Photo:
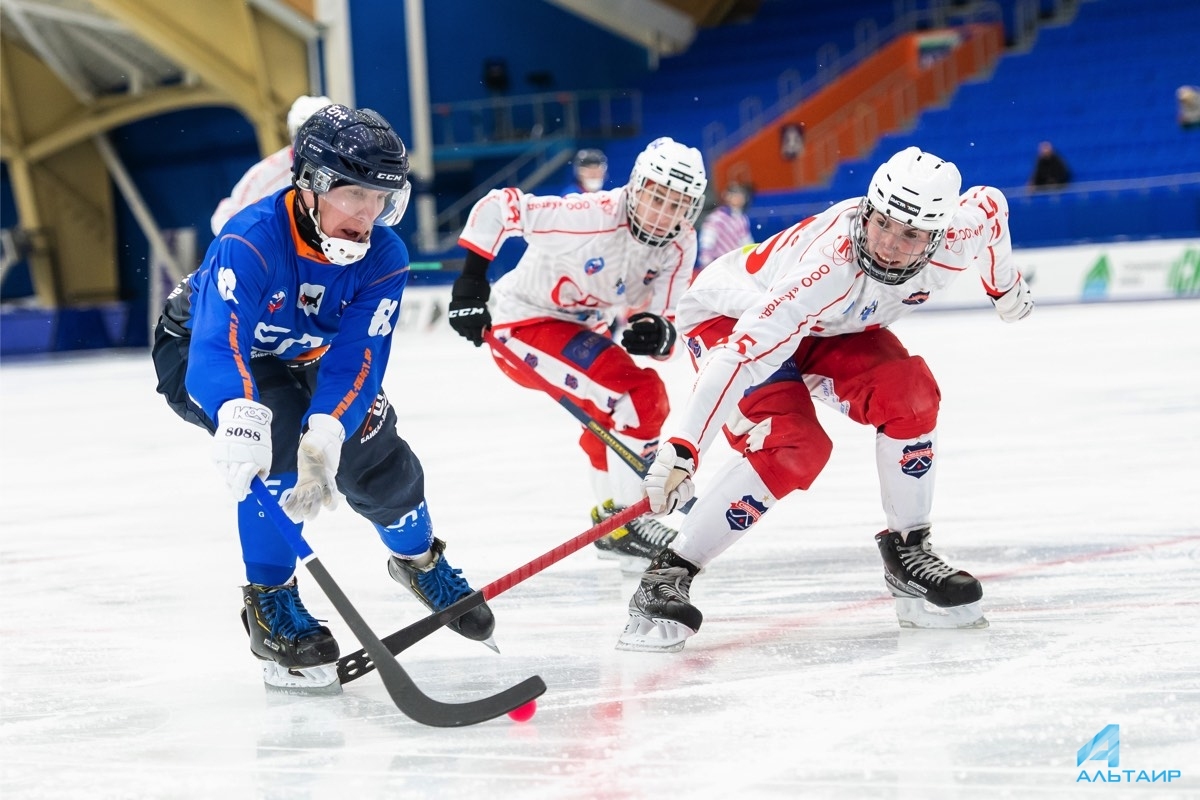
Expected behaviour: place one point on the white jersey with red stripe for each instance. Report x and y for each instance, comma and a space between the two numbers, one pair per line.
804, 281
264, 178
582, 264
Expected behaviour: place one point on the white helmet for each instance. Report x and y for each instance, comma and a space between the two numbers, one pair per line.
916, 189
665, 191
304, 107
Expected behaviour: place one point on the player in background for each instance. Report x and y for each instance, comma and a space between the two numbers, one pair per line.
590, 172
597, 264
278, 345
272, 173
805, 316
726, 227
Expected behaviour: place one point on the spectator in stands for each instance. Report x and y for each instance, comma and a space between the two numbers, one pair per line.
1050, 170
1189, 106
272, 173
591, 169
726, 227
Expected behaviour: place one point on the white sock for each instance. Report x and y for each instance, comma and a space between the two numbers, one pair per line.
907, 468
727, 505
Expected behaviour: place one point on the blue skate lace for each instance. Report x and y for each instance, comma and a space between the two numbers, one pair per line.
443, 584
286, 613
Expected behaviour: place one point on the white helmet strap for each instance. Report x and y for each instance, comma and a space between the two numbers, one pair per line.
341, 252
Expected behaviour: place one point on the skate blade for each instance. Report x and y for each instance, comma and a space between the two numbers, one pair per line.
629, 565
491, 642
322, 680
646, 635
913, 612
633, 565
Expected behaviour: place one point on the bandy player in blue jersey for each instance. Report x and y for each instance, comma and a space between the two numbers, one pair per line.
277, 345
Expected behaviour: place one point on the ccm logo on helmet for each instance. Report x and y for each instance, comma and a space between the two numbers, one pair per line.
388, 176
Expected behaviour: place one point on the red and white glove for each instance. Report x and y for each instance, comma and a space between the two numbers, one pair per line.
668, 481
316, 469
1016, 303
242, 444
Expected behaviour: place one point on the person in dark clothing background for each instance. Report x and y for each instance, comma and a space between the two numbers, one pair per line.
1050, 170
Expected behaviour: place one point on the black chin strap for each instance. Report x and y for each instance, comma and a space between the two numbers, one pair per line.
305, 224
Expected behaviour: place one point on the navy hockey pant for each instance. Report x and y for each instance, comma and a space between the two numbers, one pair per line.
379, 475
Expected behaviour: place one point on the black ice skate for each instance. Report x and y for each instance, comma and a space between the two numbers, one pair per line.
297, 652
437, 585
661, 615
929, 592
635, 544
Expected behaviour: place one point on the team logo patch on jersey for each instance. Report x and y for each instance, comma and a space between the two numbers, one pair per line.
651, 274
744, 513
276, 302
571, 382
584, 348
531, 360
593, 266
868, 311
693, 346
917, 459
915, 299
620, 287
568, 295
227, 284
310, 298
840, 252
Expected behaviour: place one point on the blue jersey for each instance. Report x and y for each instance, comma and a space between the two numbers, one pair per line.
263, 291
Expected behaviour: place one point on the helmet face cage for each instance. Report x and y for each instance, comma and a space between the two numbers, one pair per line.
338, 145
915, 189
892, 276
665, 191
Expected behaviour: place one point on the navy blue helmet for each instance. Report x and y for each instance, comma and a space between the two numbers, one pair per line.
340, 145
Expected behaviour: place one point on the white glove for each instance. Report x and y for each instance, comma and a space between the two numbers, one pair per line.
316, 468
242, 444
668, 482
1016, 303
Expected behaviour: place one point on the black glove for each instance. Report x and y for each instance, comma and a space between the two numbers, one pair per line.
648, 335
468, 308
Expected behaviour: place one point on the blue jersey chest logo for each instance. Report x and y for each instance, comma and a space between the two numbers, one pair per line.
310, 298
593, 266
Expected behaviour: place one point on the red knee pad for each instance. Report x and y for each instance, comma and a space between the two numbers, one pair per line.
648, 394
795, 450
597, 451
787, 467
902, 398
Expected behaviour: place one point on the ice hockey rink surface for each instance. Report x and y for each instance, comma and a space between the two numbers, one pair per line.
1068, 483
